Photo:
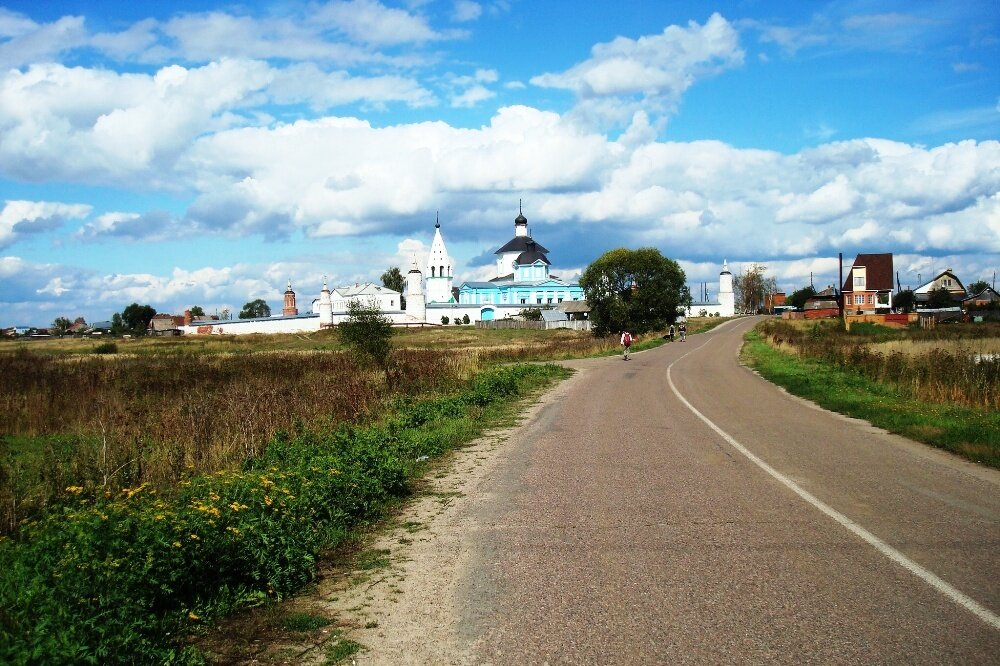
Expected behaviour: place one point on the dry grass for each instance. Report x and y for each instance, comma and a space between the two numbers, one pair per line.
949, 364
972, 347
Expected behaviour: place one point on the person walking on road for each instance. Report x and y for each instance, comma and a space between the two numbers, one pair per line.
670, 333
682, 329
626, 343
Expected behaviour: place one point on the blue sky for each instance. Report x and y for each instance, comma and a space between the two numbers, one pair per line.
196, 153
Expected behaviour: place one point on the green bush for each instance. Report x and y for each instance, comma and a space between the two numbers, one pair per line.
106, 348
122, 579
368, 331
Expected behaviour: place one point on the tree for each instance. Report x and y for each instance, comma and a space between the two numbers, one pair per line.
117, 326
393, 279
638, 290
532, 314
904, 300
136, 318
752, 290
368, 331
799, 297
445, 319
940, 298
60, 326
978, 287
197, 311
255, 309
465, 319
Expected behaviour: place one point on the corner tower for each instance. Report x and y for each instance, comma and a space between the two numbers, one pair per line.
290, 309
416, 307
439, 272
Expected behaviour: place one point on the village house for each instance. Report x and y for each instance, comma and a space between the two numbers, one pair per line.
869, 283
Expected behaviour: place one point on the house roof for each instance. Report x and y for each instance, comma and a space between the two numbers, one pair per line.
532, 256
366, 289
928, 286
520, 244
878, 269
553, 315
574, 307
988, 294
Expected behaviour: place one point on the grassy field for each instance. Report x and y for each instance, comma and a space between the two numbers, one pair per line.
928, 386
160, 410
124, 578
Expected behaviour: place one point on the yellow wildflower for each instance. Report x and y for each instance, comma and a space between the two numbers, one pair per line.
177, 544
76, 490
192, 616
267, 500
195, 537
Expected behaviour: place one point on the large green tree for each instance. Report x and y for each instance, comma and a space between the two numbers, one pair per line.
255, 309
393, 279
197, 311
136, 318
799, 297
634, 290
368, 331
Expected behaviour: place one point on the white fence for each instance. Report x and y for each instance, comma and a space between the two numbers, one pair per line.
582, 325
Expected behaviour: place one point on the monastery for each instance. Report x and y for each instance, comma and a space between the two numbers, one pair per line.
523, 280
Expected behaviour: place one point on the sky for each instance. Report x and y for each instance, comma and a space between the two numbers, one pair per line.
205, 153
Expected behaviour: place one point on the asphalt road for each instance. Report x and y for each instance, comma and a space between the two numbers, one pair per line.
676, 508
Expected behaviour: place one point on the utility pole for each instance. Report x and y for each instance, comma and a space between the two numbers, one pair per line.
840, 300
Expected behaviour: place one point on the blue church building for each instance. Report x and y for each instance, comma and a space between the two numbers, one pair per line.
523, 279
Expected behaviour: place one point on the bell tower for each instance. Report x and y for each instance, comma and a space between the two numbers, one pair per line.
290, 309
439, 271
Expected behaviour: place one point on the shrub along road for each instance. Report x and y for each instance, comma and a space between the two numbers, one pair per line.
678, 508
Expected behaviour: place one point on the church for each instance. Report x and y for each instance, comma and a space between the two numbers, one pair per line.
523, 280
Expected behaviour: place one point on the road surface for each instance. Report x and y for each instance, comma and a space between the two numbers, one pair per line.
676, 508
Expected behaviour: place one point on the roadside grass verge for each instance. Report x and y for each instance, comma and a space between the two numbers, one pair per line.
125, 579
969, 432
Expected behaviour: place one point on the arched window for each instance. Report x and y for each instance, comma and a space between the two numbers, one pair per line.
442, 271
432, 271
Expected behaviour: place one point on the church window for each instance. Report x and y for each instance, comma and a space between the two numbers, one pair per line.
442, 272
523, 300
538, 300
432, 272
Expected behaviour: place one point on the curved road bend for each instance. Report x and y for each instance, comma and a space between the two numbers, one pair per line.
622, 528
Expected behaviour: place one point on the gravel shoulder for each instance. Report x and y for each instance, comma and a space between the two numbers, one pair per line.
424, 600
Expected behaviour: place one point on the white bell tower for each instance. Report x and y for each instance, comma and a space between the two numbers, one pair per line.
727, 299
439, 270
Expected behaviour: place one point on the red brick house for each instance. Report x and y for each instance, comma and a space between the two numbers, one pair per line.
869, 283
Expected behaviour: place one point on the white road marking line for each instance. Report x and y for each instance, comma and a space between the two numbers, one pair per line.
983, 613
